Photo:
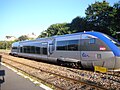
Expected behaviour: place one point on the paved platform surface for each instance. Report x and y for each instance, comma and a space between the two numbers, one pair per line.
13, 81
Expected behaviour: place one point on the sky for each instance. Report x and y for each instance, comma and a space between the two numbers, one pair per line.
22, 17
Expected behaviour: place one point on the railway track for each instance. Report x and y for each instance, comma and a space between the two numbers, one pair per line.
111, 75
114, 73
74, 84
58, 80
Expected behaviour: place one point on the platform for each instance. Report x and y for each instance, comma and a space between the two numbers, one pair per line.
13, 81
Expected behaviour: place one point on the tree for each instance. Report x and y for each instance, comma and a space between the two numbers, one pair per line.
2, 44
79, 24
116, 23
5, 44
56, 29
23, 37
101, 16
43, 34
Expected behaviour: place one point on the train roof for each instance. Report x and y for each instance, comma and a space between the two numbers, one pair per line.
88, 32
47, 38
15, 44
58, 36
94, 33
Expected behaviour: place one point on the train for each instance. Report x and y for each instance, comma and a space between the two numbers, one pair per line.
83, 49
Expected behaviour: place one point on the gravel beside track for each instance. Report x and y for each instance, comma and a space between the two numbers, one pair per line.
62, 76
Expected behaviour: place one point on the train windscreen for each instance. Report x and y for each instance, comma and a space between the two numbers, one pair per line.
115, 41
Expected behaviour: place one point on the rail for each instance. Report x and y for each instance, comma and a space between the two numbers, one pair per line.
111, 76
81, 82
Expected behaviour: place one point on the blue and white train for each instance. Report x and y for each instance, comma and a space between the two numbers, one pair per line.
87, 49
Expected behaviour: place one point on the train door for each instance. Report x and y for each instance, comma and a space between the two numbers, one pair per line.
44, 48
18, 49
51, 47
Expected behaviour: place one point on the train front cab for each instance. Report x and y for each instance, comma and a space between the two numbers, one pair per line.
14, 49
114, 46
99, 50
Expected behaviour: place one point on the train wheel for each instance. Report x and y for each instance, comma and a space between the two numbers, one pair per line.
79, 65
60, 62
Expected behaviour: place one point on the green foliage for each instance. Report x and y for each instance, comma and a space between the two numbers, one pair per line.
79, 24
98, 14
2, 45
116, 21
6, 44
22, 38
55, 29
103, 17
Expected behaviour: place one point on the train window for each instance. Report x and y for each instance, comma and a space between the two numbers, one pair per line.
21, 49
32, 49
44, 50
14, 47
70, 45
25, 50
115, 41
92, 41
28, 49
37, 50
73, 45
62, 45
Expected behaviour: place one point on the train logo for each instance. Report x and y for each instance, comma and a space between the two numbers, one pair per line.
85, 55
